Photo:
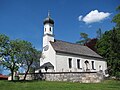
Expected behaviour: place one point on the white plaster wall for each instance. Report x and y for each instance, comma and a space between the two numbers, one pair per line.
49, 56
62, 64
46, 40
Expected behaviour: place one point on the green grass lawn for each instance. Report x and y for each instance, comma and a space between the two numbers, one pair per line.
47, 85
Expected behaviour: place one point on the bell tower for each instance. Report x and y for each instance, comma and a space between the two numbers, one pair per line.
48, 30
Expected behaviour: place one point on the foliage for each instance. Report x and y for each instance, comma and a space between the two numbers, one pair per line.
99, 33
3, 42
1, 69
109, 47
30, 57
83, 38
17, 53
46, 85
36, 62
116, 18
11, 54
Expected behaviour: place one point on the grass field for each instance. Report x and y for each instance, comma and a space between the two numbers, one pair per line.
46, 85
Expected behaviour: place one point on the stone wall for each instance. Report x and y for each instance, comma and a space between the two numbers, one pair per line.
82, 77
29, 77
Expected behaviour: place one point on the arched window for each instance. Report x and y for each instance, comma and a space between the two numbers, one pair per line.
78, 63
86, 63
93, 66
50, 29
70, 62
45, 29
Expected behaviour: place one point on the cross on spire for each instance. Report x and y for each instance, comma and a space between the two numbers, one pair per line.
48, 13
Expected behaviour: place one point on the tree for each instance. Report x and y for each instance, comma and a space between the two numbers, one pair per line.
17, 53
99, 33
11, 53
83, 39
12, 56
109, 47
4, 40
30, 56
1, 69
116, 18
36, 63
92, 44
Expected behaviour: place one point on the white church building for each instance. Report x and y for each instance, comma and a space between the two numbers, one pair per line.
62, 56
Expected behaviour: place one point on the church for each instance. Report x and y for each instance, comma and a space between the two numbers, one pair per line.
62, 56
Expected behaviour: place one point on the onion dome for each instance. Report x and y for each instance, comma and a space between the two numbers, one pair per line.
48, 20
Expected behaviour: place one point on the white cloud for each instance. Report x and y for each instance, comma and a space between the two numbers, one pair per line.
94, 16
80, 17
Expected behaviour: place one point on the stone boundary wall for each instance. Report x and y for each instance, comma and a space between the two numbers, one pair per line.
86, 77
81, 77
29, 77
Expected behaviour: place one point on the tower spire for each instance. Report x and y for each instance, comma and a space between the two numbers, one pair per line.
48, 19
48, 13
48, 30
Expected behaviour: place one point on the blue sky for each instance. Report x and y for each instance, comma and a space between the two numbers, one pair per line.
23, 19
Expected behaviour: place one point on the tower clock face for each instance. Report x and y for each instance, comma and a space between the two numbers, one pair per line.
46, 48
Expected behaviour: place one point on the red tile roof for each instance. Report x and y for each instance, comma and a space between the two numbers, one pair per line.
3, 76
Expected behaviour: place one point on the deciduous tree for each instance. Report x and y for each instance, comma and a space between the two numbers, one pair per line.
116, 18
109, 47
83, 38
30, 57
10, 53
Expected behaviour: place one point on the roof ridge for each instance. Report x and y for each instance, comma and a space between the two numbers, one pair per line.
69, 42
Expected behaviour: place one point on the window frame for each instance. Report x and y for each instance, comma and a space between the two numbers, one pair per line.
50, 29
70, 62
79, 66
78, 63
45, 29
93, 65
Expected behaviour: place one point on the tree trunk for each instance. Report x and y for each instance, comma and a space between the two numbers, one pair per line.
12, 68
26, 72
12, 73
